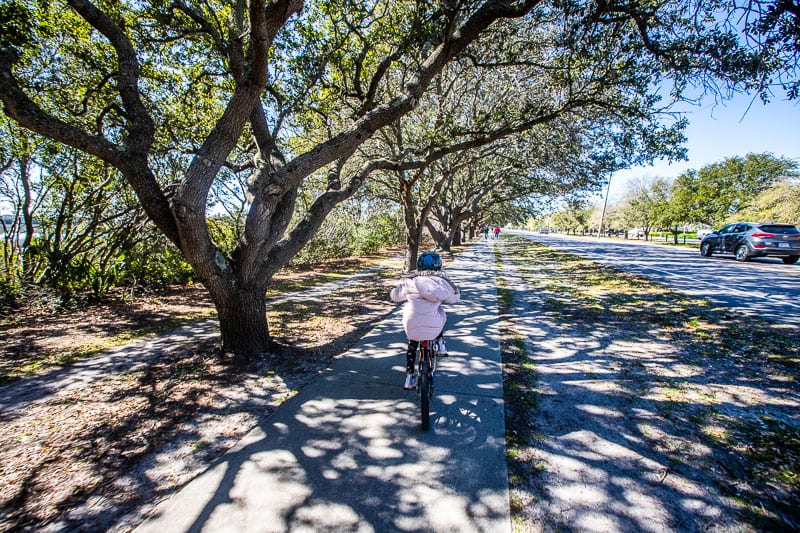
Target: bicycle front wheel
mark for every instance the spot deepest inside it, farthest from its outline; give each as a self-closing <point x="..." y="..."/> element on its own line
<point x="425" y="399"/>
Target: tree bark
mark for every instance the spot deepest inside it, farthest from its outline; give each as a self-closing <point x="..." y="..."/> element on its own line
<point x="440" y="237"/>
<point x="457" y="238"/>
<point x="27" y="267"/>
<point x="242" y="317"/>
<point x="412" y="250"/>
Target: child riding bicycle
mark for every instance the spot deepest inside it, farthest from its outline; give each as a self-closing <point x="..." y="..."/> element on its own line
<point x="424" y="291"/>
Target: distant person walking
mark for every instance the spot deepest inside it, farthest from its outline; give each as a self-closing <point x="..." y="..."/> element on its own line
<point x="486" y="233"/>
<point x="497" y="232"/>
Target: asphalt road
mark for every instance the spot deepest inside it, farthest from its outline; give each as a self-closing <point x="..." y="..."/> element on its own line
<point x="763" y="287"/>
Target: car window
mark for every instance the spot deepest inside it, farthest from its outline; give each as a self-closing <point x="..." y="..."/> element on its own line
<point x="728" y="228"/>
<point x="785" y="229"/>
<point x="740" y="228"/>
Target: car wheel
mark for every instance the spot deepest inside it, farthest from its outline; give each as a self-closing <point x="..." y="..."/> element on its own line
<point x="705" y="249"/>
<point x="792" y="259"/>
<point x="742" y="253"/>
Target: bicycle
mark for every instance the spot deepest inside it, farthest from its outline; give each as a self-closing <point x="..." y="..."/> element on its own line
<point x="426" y="366"/>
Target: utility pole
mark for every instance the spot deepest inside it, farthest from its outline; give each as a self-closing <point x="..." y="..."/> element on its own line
<point x="605" y="203"/>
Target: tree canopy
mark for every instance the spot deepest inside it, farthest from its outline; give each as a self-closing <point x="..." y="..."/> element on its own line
<point x="718" y="191"/>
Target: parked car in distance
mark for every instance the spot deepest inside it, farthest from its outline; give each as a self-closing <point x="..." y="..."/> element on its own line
<point x="754" y="239"/>
<point x="636" y="233"/>
<point x="702" y="232"/>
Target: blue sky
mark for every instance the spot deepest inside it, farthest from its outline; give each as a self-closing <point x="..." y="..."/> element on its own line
<point x="726" y="130"/>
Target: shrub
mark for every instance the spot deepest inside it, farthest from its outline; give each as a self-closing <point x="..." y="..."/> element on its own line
<point x="378" y="232"/>
<point x="8" y="295"/>
<point x="154" y="261"/>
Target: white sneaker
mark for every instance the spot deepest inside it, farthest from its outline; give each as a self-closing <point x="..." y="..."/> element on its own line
<point x="442" y="350"/>
<point x="411" y="382"/>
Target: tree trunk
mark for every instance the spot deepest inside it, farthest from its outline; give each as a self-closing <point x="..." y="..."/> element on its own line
<point x="27" y="215"/>
<point x="242" y="320"/>
<point x="456" y="232"/>
<point x="440" y="237"/>
<point x="414" y="225"/>
<point x="412" y="249"/>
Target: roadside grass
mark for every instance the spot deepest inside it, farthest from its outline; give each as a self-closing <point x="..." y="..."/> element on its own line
<point x="520" y="396"/>
<point x="735" y="395"/>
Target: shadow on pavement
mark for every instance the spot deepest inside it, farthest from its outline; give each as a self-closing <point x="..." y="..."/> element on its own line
<point x="347" y="453"/>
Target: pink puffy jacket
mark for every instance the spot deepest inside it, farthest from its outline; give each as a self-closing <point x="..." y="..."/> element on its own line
<point x="423" y="316"/>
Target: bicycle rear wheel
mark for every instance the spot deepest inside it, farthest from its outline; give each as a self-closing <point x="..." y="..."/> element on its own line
<point x="425" y="399"/>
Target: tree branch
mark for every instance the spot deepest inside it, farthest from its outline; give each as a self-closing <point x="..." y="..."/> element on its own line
<point x="344" y="144"/>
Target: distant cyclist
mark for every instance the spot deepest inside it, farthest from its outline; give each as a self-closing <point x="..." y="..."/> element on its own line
<point x="424" y="292"/>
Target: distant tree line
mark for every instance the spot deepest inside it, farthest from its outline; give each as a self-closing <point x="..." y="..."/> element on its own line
<point x="755" y="187"/>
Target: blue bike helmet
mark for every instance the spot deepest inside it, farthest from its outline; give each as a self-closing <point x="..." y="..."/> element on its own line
<point x="429" y="261"/>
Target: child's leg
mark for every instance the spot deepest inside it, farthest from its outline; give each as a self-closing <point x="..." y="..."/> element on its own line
<point x="441" y="348"/>
<point x="411" y="353"/>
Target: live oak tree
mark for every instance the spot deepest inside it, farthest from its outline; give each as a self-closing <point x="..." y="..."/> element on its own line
<point x="646" y="203"/>
<point x="719" y="191"/>
<point x="259" y="62"/>
<point x="515" y="177"/>
<point x="18" y="198"/>
<point x="89" y="223"/>
<point x="574" y="218"/>
<point x="176" y="95"/>
<point x="565" y="158"/>
<point x="663" y="214"/>
<point x="465" y="199"/>
<point x="773" y="31"/>
<point x="780" y="203"/>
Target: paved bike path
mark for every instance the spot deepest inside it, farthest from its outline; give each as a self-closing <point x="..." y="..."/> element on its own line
<point x="347" y="452"/>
